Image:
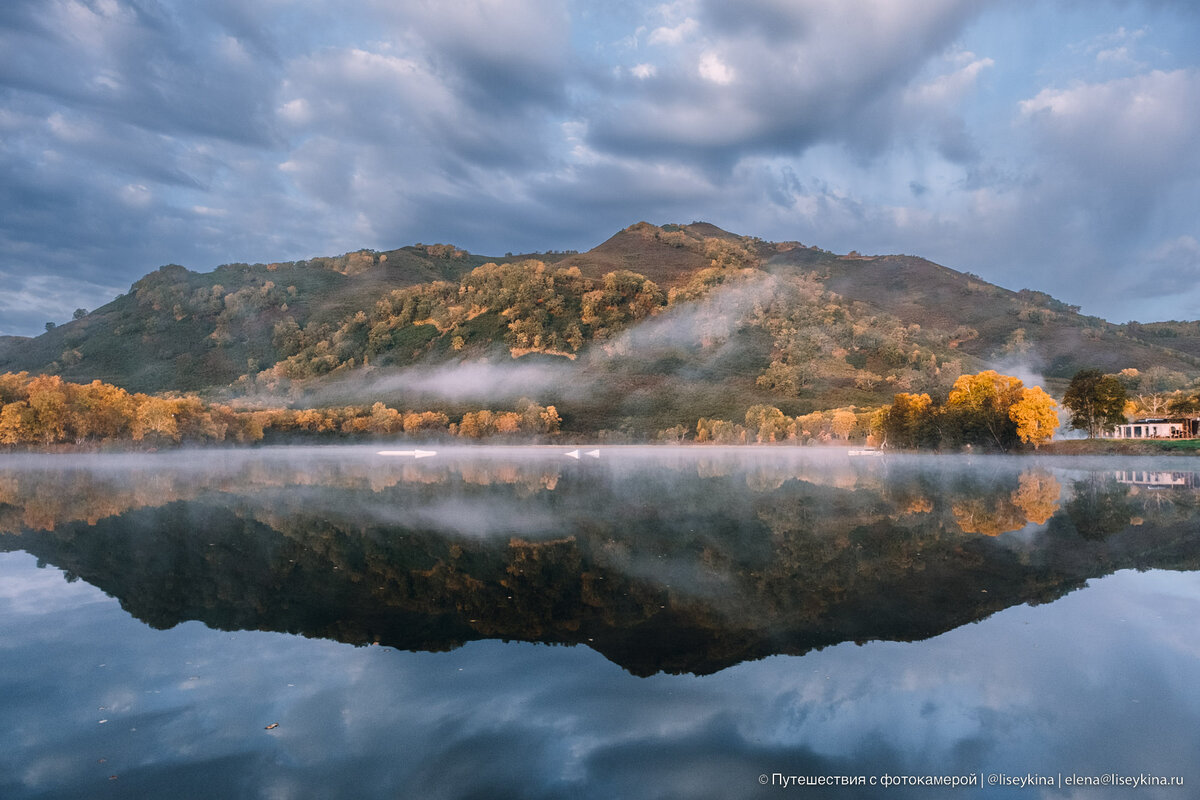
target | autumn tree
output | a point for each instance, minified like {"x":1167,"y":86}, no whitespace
{"x":910,"y":422}
{"x":385,"y":420}
{"x":51,"y":414}
{"x":980,"y":405}
{"x":425,"y":421}
{"x":104,"y":411}
{"x":1096,"y":401}
{"x":16,"y":421}
{"x":811,"y":426}
{"x":720,"y":431}
{"x":843,"y":423}
{"x":1035,"y":415}
{"x":767,"y":423}
{"x":155,"y":416}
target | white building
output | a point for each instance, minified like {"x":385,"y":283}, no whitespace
{"x":1158,"y":428}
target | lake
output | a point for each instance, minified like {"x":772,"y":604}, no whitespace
{"x":639,"y":623}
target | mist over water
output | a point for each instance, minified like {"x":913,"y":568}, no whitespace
{"x":727,"y":612}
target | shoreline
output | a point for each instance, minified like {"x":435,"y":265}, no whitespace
{"x":1068,"y":448}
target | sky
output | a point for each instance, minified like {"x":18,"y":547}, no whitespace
{"x":1049,"y":144}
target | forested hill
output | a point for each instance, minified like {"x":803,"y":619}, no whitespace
{"x":673,"y":321}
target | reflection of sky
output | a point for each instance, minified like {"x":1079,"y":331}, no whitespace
{"x":1102,"y":680}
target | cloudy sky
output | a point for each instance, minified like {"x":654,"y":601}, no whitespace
{"x":1049,"y":145}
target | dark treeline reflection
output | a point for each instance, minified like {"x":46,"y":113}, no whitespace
{"x":685,"y":560}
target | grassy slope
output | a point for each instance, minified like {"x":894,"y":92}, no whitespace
{"x":1061,"y":342}
{"x":666,"y":265}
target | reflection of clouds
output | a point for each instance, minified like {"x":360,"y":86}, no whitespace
{"x":1007,"y":694}
{"x":1030,"y":689}
{"x":27,"y":592}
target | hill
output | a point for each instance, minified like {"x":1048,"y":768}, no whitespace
{"x":181,"y":330}
{"x":651,"y":329}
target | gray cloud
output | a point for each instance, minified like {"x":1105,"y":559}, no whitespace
{"x":140,"y":132}
{"x":779,"y":78}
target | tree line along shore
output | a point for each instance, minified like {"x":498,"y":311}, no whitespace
{"x":987,"y":410}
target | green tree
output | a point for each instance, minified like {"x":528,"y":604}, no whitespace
{"x":1185,"y":404}
{"x":1096,"y":401}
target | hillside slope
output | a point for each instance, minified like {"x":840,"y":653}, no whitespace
{"x":993,"y":324}
{"x":654,"y":327}
{"x":182,"y":330}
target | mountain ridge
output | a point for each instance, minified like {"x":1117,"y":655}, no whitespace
{"x":688,"y":318}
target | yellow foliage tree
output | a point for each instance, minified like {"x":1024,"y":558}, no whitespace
{"x":843,"y":424}
{"x":425,"y":421}
{"x":767,"y":423}
{"x":104,"y":410}
{"x":1036,"y":416}
{"x":507,"y":423}
{"x":16,"y":422}
{"x":982,"y":403}
{"x":385,"y":420}
{"x":155,"y":415}
{"x":48,"y":400}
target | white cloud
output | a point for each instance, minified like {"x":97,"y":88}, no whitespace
{"x":297,"y":111}
{"x":137,"y":195}
{"x":643,"y":71}
{"x":674,"y":35}
{"x":1141,"y":128}
{"x":948,"y":89}
{"x":712,"y":68}
{"x":1118,"y":49}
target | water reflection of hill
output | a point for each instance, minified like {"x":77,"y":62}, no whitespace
{"x":679,"y":562}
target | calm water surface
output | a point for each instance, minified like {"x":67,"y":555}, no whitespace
{"x":651,"y":623}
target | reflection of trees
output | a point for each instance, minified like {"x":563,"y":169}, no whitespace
{"x":1100,"y":506}
{"x":990,"y":516}
{"x":43,"y":499}
{"x":987,"y":510}
{"x":1005,"y":502}
{"x":655,"y":567}
{"x":1037,"y":495}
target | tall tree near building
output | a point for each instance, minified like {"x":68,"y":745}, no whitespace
{"x":1096,"y":402}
